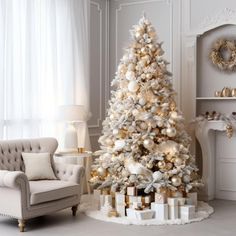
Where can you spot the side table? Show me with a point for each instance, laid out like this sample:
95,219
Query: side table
84,159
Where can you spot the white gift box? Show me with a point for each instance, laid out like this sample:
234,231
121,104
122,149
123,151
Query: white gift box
177,194
131,191
161,211
96,197
105,198
119,198
193,197
145,214
181,201
120,208
172,201
160,198
173,212
187,212
135,199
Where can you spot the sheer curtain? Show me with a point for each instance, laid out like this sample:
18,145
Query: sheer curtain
44,62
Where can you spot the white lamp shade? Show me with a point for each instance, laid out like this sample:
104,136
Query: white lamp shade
72,113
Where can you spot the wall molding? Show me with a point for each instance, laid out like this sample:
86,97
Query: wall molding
97,124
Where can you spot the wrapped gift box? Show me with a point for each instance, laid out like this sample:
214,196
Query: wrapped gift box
145,214
187,212
105,198
120,208
173,212
172,201
181,201
193,197
161,211
96,198
131,191
119,198
160,198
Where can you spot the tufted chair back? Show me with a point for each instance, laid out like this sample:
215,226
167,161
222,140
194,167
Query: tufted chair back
10,151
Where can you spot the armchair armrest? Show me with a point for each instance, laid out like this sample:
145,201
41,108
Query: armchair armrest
70,172
13,179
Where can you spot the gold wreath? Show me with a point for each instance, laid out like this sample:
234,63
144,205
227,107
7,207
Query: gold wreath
217,56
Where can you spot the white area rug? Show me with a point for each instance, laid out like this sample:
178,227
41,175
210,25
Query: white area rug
204,211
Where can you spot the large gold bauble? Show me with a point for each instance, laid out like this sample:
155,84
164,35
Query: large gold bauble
178,161
101,171
161,164
176,181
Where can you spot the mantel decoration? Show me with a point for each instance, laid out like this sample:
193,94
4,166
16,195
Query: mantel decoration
144,170
223,54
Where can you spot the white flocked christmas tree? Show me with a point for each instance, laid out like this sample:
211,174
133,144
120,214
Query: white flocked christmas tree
144,143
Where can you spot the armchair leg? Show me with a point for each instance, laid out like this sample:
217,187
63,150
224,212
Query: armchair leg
74,210
21,225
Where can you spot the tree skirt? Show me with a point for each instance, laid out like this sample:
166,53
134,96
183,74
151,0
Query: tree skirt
86,206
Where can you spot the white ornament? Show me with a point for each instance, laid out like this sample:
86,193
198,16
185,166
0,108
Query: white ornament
157,176
171,132
130,75
186,179
142,101
148,143
133,86
160,123
115,131
119,145
135,112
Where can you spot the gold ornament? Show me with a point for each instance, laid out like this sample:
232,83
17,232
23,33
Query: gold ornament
161,164
169,166
178,161
176,180
229,131
226,92
148,76
149,165
101,171
233,92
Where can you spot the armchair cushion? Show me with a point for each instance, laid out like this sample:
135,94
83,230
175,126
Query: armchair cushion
48,190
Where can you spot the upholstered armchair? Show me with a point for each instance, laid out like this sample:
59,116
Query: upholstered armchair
23,199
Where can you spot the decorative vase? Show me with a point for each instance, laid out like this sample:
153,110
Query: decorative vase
233,92
226,92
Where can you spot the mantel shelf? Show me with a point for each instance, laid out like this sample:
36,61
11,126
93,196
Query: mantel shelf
215,98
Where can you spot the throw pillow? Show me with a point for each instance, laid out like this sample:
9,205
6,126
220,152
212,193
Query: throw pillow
38,166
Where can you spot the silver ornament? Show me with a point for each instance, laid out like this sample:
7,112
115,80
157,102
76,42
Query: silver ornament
186,179
157,176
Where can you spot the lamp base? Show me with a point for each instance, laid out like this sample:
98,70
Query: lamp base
71,139
81,150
